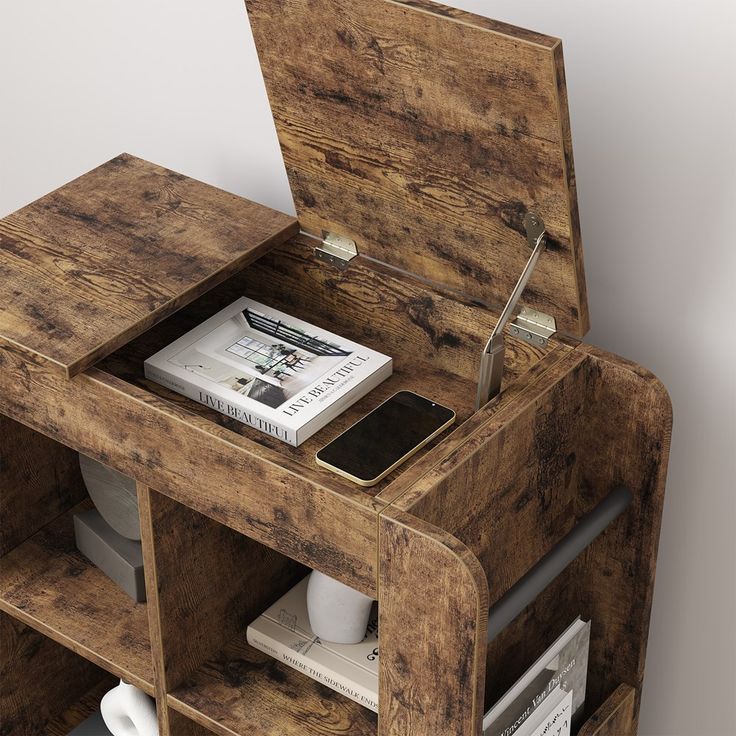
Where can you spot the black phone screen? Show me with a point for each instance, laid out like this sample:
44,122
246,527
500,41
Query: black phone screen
385,436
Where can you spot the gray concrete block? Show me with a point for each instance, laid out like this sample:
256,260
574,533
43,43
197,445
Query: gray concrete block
119,558
93,726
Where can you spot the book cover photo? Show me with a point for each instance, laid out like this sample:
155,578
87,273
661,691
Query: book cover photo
273,372
283,631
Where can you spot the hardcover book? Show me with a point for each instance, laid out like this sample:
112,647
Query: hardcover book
283,631
273,372
561,670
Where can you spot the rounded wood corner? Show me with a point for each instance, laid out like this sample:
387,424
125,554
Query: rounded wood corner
433,617
446,546
661,401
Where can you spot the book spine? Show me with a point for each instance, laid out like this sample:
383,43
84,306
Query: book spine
193,391
326,675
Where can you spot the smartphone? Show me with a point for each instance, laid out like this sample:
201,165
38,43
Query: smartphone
379,442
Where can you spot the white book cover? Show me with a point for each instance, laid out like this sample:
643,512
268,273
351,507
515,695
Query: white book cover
564,665
271,371
283,631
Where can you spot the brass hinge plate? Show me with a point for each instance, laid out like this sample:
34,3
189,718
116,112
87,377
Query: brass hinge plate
533,327
337,250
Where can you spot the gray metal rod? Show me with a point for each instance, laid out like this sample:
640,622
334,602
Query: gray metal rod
521,594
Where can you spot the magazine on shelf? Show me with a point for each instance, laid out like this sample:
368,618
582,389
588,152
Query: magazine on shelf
271,371
561,671
283,631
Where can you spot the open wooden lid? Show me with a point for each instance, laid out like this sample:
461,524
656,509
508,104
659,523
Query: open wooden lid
92,265
426,134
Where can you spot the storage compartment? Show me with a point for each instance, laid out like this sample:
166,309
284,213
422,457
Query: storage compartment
46,689
45,582
595,422
292,504
49,585
39,479
212,582
531,633
245,691
434,339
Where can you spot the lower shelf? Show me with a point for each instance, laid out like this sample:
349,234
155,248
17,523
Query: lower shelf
244,692
49,586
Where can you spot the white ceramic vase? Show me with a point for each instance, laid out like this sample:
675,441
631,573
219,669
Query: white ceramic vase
128,711
114,496
337,613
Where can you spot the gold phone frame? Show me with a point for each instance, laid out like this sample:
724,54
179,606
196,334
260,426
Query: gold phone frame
389,470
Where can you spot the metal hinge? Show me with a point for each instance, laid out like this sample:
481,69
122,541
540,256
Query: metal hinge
337,250
533,326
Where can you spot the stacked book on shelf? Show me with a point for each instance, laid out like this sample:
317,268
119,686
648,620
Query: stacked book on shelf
283,631
546,701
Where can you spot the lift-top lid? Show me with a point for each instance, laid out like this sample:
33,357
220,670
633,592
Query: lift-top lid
425,134
92,265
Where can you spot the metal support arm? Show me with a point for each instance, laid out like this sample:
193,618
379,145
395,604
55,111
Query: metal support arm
491,365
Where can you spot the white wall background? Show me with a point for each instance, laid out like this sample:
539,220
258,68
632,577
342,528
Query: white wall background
652,87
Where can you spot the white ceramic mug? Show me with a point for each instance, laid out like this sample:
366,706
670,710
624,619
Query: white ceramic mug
128,711
337,613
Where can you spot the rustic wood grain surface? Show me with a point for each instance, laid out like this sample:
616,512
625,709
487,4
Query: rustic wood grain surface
625,440
385,309
425,133
512,484
426,137
153,604
89,266
574,402
437,327
410,373
180,725
48,585
418,483
434,339
616,717
479,21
